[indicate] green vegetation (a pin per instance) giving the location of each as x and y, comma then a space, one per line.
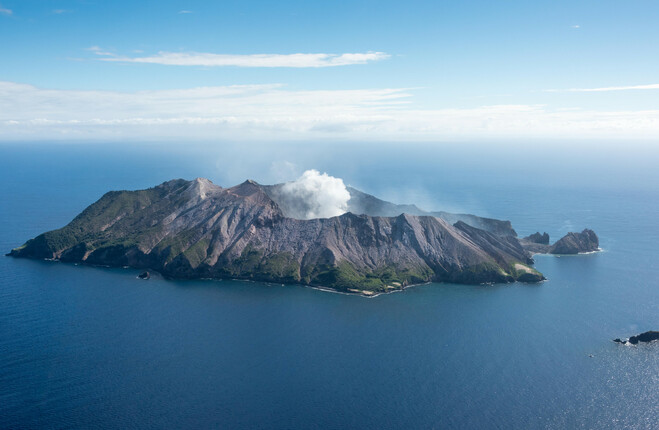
345, 276
197, 252
174, 245
281, 266
486, 267
59, 239
523, 273
248, 261
109, 208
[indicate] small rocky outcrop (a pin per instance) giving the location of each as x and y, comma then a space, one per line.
536, 243
648, 336
542, 239
576, 243
144, 275
571, 243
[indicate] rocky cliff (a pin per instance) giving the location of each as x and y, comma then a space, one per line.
195, 229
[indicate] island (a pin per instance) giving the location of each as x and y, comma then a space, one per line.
195, 229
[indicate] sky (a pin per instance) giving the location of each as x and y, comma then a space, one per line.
341, 70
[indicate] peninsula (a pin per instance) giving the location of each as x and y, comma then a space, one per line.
196, 229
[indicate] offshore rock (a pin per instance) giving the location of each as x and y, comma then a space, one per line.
542, 239
576, 243
571, 243
648, 336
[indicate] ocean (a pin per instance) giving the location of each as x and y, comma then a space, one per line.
92, 347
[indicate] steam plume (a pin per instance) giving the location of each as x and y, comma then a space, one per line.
314, 195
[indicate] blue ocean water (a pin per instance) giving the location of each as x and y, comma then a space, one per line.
89, 347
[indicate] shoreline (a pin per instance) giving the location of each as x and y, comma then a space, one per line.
598, 250
362, 293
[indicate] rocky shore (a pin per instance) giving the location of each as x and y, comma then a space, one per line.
648, 336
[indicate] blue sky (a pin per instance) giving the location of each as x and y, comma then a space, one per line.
414, 70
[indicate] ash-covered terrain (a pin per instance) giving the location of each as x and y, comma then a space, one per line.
314, 231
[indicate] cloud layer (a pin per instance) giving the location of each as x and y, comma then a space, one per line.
255, 60
603, 89
272, 112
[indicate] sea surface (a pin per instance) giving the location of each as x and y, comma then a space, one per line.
92, 347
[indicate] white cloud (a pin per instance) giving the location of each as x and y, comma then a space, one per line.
100, 51
59, 11
594, 90
576, 26
5, 11
254, 60
184, 11
273, 112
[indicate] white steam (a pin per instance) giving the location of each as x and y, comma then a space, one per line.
314, 195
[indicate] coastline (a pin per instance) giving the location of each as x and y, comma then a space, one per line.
597, 251
350, 291
360, 293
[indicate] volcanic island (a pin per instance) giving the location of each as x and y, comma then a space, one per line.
195, 229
